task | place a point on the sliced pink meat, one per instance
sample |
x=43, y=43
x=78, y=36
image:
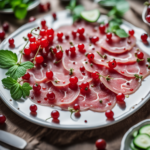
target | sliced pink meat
x=118, y=45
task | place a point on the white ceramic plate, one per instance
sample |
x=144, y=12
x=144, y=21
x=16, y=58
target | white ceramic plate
x=126, y=141
x=94, y=119
x=31, y=6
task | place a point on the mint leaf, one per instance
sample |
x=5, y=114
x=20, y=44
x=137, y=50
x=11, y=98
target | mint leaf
x=72, y=4
x=78, y=9
x=27, y=64
x=26, y=89
x=16, y=91
x=7, y=59
x=108, y=3
x=121, y=33
x=20, y=11
x=8, y=82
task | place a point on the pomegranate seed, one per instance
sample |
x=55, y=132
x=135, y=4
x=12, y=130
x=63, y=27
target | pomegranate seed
x=60, y=35
x=50, y=31
x=80, y=31
x=102, y=28
x=33, y=46
x=11, y=41
x=36, y=87
x=51, y=96
x=82, y=68
x=131, y=32
x=109, y=35
x=6, y=27
x=100, y=144
x=148, y=18
x=73, y=80
x=90, y=56
x=32, y=39
x=38, y=101
x=42, y=8
x=59, y=54
x=50, y=38
x=144, y=37
x=120, y=97
x=43, y=32
x=43, y=23
x=33, y=108
x=54, y=16
x=49, y=75
x=26, y=76
x=74, y=33
x=95, y=39
x=109, y=114
x=95, y=75
x=31, y=19
x=48, y=5
x=112, y=63
x=76, y=107
x=55, y=114
x=2, y=119
x=44, y=42
x=27, y=51
x=140, y=55
x=39, y=59
x=2, y=35
x=29, y=35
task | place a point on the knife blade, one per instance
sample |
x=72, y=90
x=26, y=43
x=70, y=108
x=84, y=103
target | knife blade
x=12, y=140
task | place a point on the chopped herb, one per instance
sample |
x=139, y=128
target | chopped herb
x=91, y=64
x=138, y=60
x=56, y=81
x=57, y=46
x=71, y=43
x=148, y=67
x=25, y=38
x=86, y=88
x=147, y=3
x=61, y=48
x=86, y=54
x=51, y=49
x=107, y=77
x=92, y=85
x=138, y=77
x=56, y=62
x=137, y=49
x=71, y=71
x=103, y=56
x=86, y=62
x=101, y=101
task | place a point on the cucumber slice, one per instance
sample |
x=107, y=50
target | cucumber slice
x=90, y=16
x=133, y=146
x=142, y=141
x=135, y=133
x=145, y=129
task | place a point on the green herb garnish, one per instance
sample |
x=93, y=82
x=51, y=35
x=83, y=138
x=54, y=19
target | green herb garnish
x=138, y=77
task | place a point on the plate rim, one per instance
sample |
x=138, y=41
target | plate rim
x=67, y=127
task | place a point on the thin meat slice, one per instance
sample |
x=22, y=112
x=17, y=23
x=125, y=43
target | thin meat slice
x=118, y=45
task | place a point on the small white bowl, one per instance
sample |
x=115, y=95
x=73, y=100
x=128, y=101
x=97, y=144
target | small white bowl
x=126, y=141
x=144, y=15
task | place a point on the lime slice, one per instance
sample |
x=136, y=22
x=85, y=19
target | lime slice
x=90, y=16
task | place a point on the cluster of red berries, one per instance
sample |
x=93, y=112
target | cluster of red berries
x=148, y=14
x=44, y=7
x=2, y=32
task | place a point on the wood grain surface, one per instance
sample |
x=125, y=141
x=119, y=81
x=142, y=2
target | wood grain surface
x=51, y=139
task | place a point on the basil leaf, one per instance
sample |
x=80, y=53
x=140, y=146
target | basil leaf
x=112, y=12
x=20, y=11
x=14, y=3
x=7, y=59
x=8, y=82
x=26, y=89
x=16, y=91
x=121, y=33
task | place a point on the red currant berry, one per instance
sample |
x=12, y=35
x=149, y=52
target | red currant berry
x=74, y=33
x=43, y=23
x=148, y=18
x=112, y=64
x=2, y=35
x=131, y=32
x=102, y=28
x=50, y=31
x=148, y=10
x=27, y=51
x=32, y=39
x=67, y=37
x=29, y=35
x=72, y=49
x=33, y=108
x=109, y=114
x=82, y=68
x=36, y=87
x=39, y=59
x=2, y=119
x=42, y=32
x=109, y=35
x=73, y=80
x=76, y=107
x=44, y=42
x=48, y=5
x=60, y=35
x=144, y=37
x=11, y=41
x=85, y=86
x=33, y=46
x=6, y=27
x=51, y=96
x=54, y=16
x=42, y=8
x=59, y=54
x=50, y=38
x=95, y=75
x=90, y=56
x=55, y=114
x=120, y=97
x=94, y=39
x=26, y=76
x=31, y=19
x=49, y=75
x=54, y=50
x=67, y=51
x=80, y=30
x=100, y=144
x=81, y=47
x=140, y=55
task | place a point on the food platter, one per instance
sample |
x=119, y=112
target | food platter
x=94, y=119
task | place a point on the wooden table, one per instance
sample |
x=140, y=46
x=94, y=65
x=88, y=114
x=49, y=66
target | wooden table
x=50, y=139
